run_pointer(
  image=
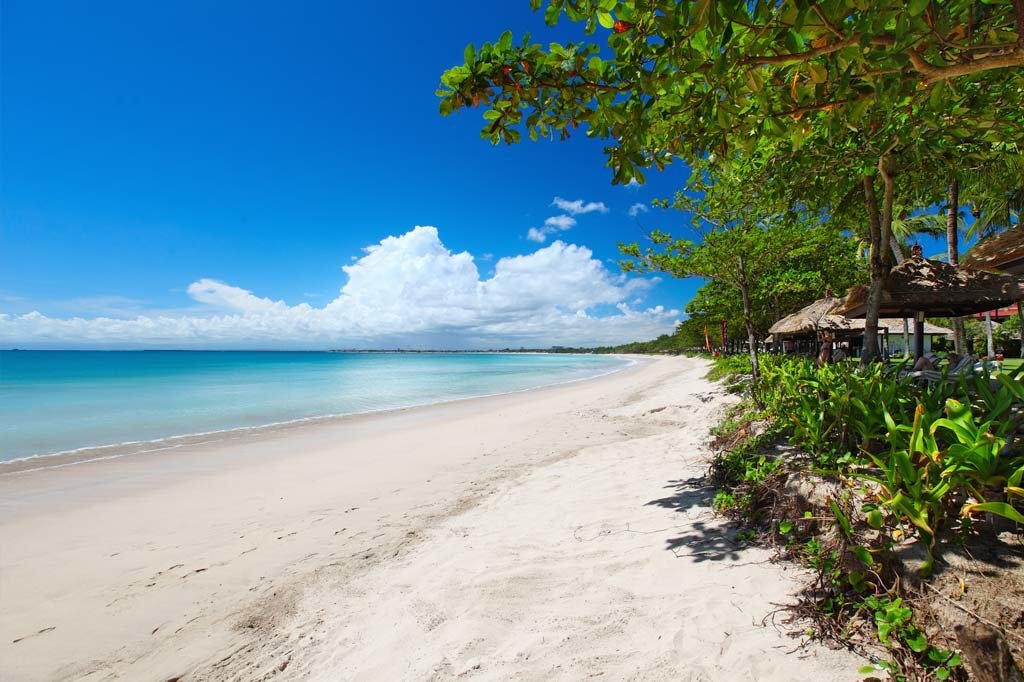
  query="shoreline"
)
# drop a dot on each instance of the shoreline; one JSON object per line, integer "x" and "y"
{"x": 98, "y": 453}
{"x": 539, "y": 535}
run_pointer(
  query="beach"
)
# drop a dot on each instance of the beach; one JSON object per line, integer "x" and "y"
{"x": 558, "y": 533}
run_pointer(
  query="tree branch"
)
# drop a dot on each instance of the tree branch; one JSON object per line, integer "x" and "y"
{"x": 802, "y": 56}
{"x": 933, "y": 74}
{"x": 825, "y": 20}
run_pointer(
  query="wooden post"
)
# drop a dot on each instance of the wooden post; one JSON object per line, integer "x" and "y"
{"x": 990, "y": 345}
{"x": 1020, "y": 335}
{"x": 918, "y": 335}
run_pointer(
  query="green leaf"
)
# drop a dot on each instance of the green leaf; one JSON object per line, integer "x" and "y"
{"x": 999, "y": 508}
{"x": 786, "y": 527}
{"x": 605, "y": 19}
{"x": 915, "y": 7}
{"x": 819, "y": 74}
{"x": 551, "y": 14}
{"x": 701, "y": 13}
{"x": 917, "y": 643}
{"x": 864, "y": 555}
{"x": 470, "y": 54}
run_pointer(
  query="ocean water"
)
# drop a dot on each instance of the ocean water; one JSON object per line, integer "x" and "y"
{"x": 55, "y": 401}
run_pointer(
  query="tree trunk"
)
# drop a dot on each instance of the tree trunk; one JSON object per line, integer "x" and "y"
{"x": 1020, "y": 326}
{"x": 953, "y": 255}
{"x": 748, "y": 322}
{"x": 898, "y": 257}
{"x": 896, "y": 249}
{"x": 881, "y": 230}
{"x": 990, "y": 345}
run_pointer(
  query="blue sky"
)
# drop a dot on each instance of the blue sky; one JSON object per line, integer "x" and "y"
{"x": 151, "y": 149}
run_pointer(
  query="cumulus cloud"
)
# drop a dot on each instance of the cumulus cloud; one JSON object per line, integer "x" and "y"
{"x": 558, "y": 223}
{"x": 537, "y": 235}
{"x": 221, "y": 295}
{"x": 407, "y": 290}
{"x": 637, "y": 209}
{"x": 579, "y": 207}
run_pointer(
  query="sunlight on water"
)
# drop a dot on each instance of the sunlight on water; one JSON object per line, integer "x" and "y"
{"x": 52, "y": 401}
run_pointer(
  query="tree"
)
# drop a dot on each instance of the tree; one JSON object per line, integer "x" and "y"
{"x": 953, "y": 253}
{"x": 829, "y": 98}
{"x": 743, "y": 238}
{"x": 826, "y": 260}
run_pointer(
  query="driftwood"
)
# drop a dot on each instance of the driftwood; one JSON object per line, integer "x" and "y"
{"x": 986, "y": 654}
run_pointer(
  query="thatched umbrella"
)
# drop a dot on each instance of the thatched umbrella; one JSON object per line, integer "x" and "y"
{"x": 918, "y": 287}
{"x": 811, "y": 319}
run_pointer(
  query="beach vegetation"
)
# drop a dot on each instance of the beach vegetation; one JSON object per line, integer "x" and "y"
{"x": 905, "y": 473}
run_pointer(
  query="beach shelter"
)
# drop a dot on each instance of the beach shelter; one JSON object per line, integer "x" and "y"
{"x": 811, "y": 319}
{"x": 919, "y": 287}
{"x": 821, "y": 316}
{"x": 1004, "y": 253}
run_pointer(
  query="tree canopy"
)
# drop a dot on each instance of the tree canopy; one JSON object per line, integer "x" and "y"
{"x": 850, "y": 107}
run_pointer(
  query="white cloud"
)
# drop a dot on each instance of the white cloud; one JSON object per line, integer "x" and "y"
{"x": 560, "y": 222}
{"x": 218, "y": 294}
{"x": 535, "y": 235}
{"x": 579, "y": 207}
{"x": 408, "y": 290}
{"x": 637, "y": 209}
{"x": 557, "y": 223}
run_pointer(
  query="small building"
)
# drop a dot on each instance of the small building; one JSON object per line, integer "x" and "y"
{"x": 894, "y": 342}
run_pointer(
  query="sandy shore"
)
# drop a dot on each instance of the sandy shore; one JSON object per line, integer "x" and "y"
{"x": 554, "y": 534}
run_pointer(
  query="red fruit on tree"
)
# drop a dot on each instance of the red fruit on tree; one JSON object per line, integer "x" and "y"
{"x": 621, "y": 26}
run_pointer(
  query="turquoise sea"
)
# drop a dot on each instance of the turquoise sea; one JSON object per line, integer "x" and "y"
{"x": 55, "y": 401}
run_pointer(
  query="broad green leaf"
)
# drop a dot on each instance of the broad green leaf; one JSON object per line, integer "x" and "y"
{"x": 999, "y": 508}
{"x": 915, "y": 7}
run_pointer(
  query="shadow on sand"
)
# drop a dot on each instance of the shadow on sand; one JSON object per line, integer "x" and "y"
{"x": 713, "y": 539}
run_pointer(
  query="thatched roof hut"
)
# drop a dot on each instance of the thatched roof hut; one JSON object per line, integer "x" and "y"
{"x": 936, "y": 288}
{"x": 811, "y": 319}
{"x": 819, "y": 316}
{"x": 1002, "y": 253}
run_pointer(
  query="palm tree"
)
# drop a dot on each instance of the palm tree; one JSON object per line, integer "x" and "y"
{"x": 953, "y": 254}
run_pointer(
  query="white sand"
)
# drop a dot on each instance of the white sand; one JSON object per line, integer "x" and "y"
{"x": 543, "y": 535}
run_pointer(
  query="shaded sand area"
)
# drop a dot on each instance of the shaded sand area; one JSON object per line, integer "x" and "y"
{"x": 561, "y": 533}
